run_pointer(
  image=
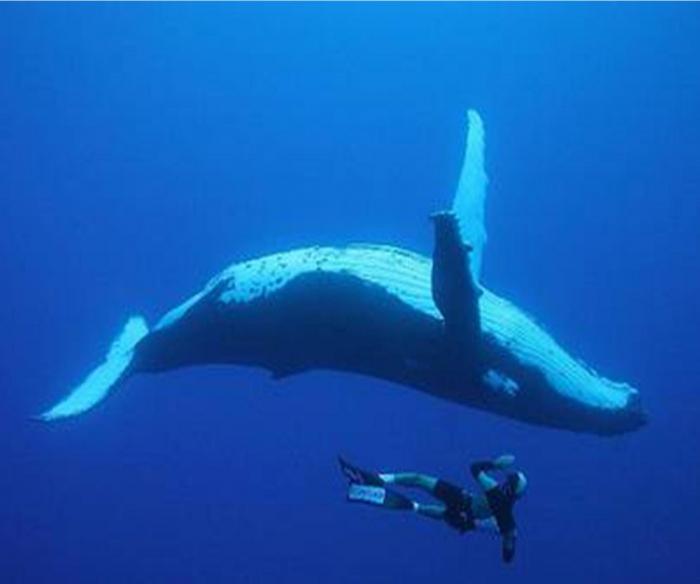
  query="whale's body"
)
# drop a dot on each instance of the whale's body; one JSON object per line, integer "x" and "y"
{"x": 370, "y": 309}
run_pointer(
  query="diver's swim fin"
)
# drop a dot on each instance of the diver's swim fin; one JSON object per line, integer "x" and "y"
{"x": 358, "y": 476}
{"x": 378, "y": 496}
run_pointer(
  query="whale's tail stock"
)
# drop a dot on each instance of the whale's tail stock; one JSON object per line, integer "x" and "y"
{"x": 106, "y": 376}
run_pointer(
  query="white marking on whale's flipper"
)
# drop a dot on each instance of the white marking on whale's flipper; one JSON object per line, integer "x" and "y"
{"x": 469, "y": 200}
{"x": 97, "y": 385}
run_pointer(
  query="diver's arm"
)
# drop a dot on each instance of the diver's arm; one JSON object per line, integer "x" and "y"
{"x": 481, "y": 468}
{"x": 508, "y": 546}
{"x": 504, "y": 461}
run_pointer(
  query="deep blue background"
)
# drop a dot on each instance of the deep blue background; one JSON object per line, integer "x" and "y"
{"x": 145, "y": 147}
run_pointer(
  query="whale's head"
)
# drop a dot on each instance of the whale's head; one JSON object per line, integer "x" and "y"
{"x": 582, "y": 401}
{"x": 630, "y": 416}
{"x": 533, "y": 378}
{"x": 585, "y": 401}
{"x": 601, "y": 406}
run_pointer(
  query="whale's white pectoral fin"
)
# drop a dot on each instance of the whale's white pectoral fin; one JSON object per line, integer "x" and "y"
{"x": 98, "y": 384}
{"x": 469, "y": 200}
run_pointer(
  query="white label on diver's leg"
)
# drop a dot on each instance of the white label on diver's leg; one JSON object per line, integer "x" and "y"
{"x": 367, "y": 494}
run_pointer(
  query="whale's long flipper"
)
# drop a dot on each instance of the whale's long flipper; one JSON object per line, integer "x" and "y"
{"x": 97, "y": 385}
{"x": 454, "y": 291}
{"x": 469, "y": 200}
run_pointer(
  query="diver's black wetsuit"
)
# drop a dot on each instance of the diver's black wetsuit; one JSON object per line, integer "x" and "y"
{"x": 501, "y": 499}
{"x": 459, "y": 509}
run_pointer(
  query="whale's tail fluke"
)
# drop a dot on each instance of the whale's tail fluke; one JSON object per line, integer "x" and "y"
{"x": 98, "y": 384}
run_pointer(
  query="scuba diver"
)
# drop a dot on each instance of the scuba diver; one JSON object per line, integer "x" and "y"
{"x": 490, "y": 510}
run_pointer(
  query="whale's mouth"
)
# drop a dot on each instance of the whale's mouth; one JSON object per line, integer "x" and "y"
{"x": 632, "y": 416}
{"x": 622, "y": 420}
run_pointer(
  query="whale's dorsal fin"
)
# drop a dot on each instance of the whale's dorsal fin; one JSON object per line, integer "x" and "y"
{"x": 469, "y": 199}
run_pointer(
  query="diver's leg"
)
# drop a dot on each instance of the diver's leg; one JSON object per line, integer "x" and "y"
{"x": 452, "y": 496}
{"x": 410, "y": 479}
{"x": 432, "y": 511}
{"x": 405, "y": 479}
{"x": 388, "y": 499}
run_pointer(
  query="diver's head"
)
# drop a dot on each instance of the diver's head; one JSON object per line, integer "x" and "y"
{"x": 517, "y": 484}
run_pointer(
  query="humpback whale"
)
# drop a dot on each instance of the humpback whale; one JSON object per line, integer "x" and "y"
{"x": 384, "y": 312}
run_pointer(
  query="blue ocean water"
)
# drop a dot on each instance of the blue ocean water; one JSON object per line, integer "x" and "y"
{"x": 145, "y": 147}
